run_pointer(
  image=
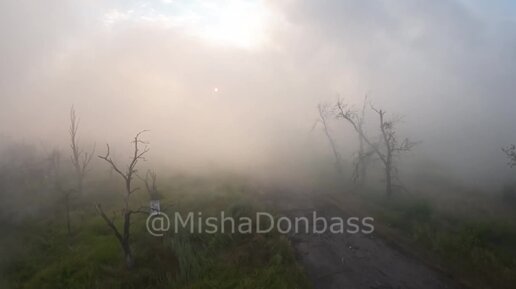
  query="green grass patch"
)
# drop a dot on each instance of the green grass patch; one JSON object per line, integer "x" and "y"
{"x": 44, "y": 256}
{"x": 481, "y": 251}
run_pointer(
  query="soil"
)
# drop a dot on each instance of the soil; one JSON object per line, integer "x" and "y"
{"x": 352, "y": 260}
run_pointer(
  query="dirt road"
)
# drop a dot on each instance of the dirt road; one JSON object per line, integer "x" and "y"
{"x": 352, "y": 261}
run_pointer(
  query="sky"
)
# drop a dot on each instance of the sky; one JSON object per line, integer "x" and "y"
{"x": 236, "y": 83}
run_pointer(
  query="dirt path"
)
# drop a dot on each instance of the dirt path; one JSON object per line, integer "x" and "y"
{"x": 352, "y": 260}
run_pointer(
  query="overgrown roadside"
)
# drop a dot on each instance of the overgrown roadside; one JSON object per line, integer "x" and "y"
{"x": 352, "y": 260}
{"x": 473, "y": 248}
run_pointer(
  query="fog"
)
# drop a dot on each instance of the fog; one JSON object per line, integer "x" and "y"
{"x": 245, "y": 99}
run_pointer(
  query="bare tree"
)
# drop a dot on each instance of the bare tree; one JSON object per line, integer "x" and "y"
{"x": 510, "y": 151}
{"x": 123, "y": 235}
{"x": 150, "y": 184}
{"x": 392, "y": 146}
{"x": 360, "y": 170}
{"x": 324, "y": 113}
{"x": 80, "y": 159}
{"x": 389, "y": 144}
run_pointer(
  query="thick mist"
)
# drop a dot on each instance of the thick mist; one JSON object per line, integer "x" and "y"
{"x": 126, "y": 66}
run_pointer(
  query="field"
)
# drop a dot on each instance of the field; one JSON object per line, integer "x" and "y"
{"x": 42, "y": 255}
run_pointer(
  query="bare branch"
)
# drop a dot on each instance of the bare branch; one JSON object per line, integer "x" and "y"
{"x": 405, "y": 145}
{"x": 352, "y": 118}
{"x": 388, "y": 146}
{"x": 140, "y": 210}
{"x": 108, "y": 159}
{"x": 109, "y": 222}
{"x": 128, "y": 175}
{"x": 150, "y": 184}
{"x": 80, "y": 159}
{"x": 323, "y": 116}
{"x": 510, "y": 151}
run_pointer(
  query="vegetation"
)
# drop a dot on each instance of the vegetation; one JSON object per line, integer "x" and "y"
{"x": 476, "y": 243}
{"x": 473, "y": 241}
{"x": 43, "y": 256}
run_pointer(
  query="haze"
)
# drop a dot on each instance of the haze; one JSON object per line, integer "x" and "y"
{"x": 235, "y": 85}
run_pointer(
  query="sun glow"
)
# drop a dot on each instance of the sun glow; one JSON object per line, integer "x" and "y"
{"x": 236, "y": 23}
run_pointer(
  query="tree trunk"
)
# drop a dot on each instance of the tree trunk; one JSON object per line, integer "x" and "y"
{"x": 388, "y": 179}
{"x": 68, "y": 222}
{"x": 128, "y": 255}
{"x": 362, "y": 171}
{"x": 129, "y": 260}
{"x": 123, "y": 238}
{"x": 338, "y": 165}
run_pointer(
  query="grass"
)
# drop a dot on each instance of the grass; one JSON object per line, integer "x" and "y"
{"x": 43, "y": 256}
{"x": 478, "y": 249}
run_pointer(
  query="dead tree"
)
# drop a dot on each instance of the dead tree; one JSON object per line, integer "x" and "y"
{"x": 510, "y": 151}
{"x": 324, "y": 113}
{"x": 388, "y": 146}
{"x": 80, "y": 159}
{"x": 152, "y": 190}
{"x": 150, "y": 184}
{"x": 360, "y": 170}
{"x": 123, "y": 235}
{"x": 392, "y": 146}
